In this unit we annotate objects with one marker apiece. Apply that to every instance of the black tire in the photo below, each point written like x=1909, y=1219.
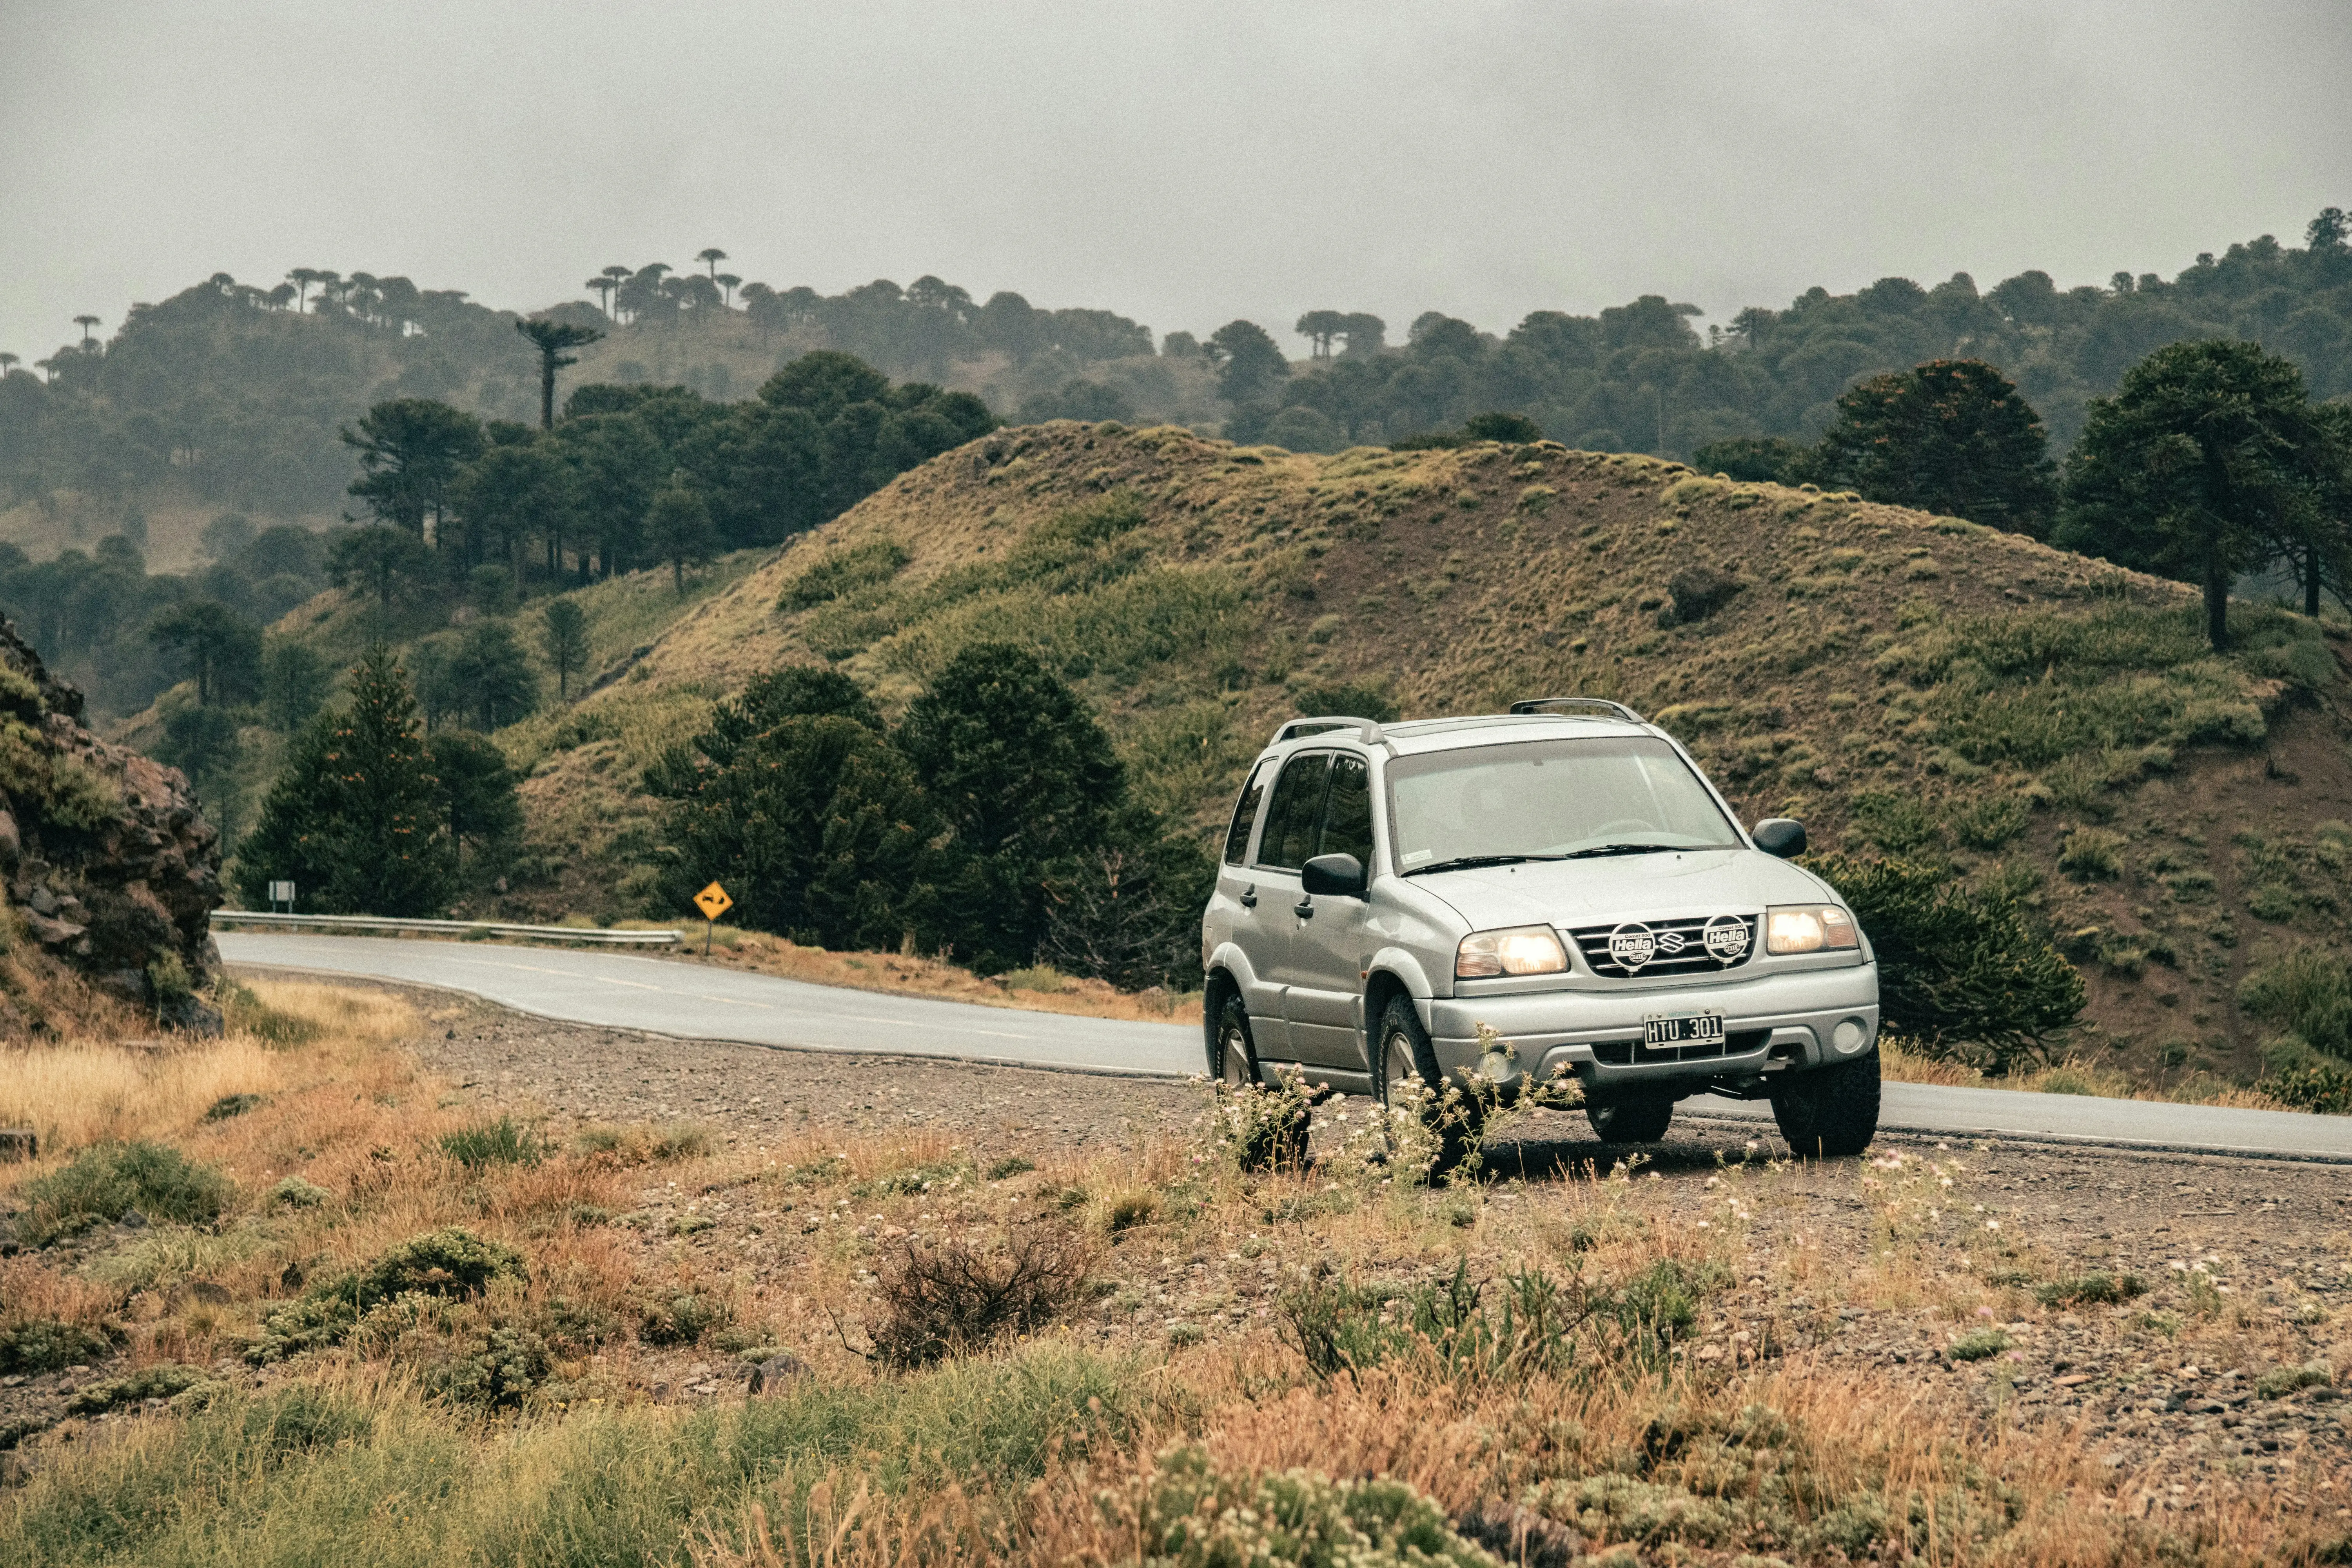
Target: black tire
x=1401, y=1053
x=1271, y=1146
x=1629, y=1117
x=1829, y=1113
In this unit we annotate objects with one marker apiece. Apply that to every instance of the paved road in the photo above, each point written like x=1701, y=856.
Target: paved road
x=692, y=1002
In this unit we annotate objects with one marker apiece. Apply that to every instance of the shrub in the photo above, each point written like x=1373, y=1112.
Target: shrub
x=451, y=1263
x=501, y=1142
x=1958, y=966
x=1978, y=1344
x=2091, y=854
x=2100, y=1289
x=1898, y=823
x=950, y=1298
x=1990, y=823
x=160, y=1381
x=294, y=1193
x=1348, y=699
x=44, y=1344
x=229, y=1105
x=2279, y=1382
x=2321, y=1087
x=243, y=1010
x=682, y=1319
x=106, y=1181
x=1011, y=1165
x=843, y=572
x=1190, y=1514
x=2307, y=992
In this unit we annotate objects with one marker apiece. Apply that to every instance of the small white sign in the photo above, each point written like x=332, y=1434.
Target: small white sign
x=281, y=893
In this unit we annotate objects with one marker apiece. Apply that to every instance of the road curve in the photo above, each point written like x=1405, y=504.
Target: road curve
x=691, y=1002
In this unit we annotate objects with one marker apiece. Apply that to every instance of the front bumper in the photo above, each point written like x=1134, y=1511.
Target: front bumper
x=1773, y=1023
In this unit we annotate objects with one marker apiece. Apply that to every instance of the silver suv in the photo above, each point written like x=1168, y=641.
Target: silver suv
x=1564, y=874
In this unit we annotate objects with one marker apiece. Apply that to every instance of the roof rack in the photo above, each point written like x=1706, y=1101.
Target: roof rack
x=1297, y=727
x=1550, y=705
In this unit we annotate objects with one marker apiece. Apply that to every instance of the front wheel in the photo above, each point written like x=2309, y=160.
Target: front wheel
x=1273, y=1138
x=1830, y=1112
x=1408, y=1074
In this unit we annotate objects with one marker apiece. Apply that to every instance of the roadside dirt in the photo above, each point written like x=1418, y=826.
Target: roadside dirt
x=2243, y=1268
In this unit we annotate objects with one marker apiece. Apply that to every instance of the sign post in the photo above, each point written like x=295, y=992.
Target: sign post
x=281, y=895
x=713, y=902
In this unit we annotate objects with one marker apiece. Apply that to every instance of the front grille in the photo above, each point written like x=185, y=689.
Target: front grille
x=1674, y=947
x=1625, y=1053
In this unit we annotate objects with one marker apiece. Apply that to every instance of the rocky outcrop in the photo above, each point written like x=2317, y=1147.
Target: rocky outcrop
x=110, y=872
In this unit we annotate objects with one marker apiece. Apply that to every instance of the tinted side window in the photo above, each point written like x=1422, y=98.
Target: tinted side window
x=1245, y=816
x=1348, y=811
x=1294, y=815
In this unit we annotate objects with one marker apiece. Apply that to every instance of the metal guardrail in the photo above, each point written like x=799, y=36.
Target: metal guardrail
x=451, y=928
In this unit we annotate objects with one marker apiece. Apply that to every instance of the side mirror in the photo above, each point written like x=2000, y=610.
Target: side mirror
x=1780, y=836
x=1333, y=876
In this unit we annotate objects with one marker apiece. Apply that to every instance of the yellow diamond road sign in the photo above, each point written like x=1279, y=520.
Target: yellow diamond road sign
x=713, y=902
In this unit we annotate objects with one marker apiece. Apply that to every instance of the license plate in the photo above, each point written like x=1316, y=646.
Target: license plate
x=1692, y=1029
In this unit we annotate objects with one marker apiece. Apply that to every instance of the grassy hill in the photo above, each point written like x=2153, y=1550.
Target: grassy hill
x=1906, y=684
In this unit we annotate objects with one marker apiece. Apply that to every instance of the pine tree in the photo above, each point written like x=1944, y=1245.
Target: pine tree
x=356, y=821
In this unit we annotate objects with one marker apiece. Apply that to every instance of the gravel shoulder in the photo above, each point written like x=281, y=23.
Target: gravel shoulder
x=2237, y=1272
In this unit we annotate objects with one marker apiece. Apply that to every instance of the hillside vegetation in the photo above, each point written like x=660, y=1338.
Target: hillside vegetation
x=1909, y=685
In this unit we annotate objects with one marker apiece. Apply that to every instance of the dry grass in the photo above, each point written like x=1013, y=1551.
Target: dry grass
x=913, y=974
x=999, y=1454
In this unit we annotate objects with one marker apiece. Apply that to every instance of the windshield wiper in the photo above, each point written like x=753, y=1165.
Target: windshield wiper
x=1599, y=851
x=1471, y=862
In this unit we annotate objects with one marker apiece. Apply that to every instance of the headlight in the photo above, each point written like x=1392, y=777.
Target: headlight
x=1521, y=950
x=1809, y=928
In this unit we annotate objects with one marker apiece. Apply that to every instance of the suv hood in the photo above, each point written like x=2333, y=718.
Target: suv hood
x=1626, y=887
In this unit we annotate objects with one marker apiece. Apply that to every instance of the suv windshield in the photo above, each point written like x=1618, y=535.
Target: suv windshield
x=1549, y=800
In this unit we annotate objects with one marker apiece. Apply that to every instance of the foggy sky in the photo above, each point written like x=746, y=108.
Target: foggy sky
x=1180, y=163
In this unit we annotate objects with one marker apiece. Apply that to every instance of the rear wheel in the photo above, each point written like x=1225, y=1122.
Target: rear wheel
x=1406, y=1061
x=1629, y=1118
x=1269, y=1139
x=1830, y=1112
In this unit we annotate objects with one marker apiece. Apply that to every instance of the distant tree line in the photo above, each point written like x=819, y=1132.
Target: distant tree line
x=992, y=822
x=631, y=476
x=1639, y=377
x=237, y=391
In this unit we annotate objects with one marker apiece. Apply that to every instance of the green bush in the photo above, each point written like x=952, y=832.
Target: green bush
x=842, y=573
x=2322, y=1087
x=106, y=1181
x=2309, y=993
x=1898, y=823
x=501, y=1142
x=682, y=1319
x=2101, y=1289
x=2091, y=854
x=1990, y=823
x=1978, y=1344
x=1961, y=970
x=229, y=1105
x=160, y=1381
x=44, y=1344
x=1190, y=1514
x=451, y=1263
x=2280, y=1381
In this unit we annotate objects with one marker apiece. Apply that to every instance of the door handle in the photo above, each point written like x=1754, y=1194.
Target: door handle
x=1304, y=908
x=1249, y=897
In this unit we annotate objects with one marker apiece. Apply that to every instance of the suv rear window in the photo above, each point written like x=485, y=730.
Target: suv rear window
x=1245, y=814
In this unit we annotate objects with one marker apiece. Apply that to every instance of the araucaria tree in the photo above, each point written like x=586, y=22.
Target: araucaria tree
x=1950, y=436
x=356, y=820
x=552, y=337
x=410, y=451
x=2208, y=462
x=564, y=637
